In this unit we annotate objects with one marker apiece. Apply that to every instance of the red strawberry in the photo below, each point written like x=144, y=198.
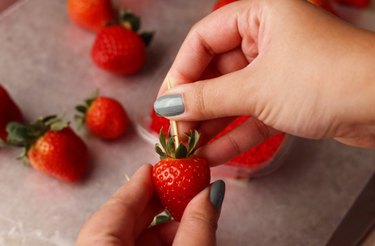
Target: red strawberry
x=51, y=147
x=119, y=48
x=221, y=3
x=158, y=123
x=9, y=111
x=104, y=117
x=355, y=3
x=90, y=14
x=179, y=175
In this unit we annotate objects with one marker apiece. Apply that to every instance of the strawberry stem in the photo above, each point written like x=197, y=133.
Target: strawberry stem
x=129, y=20
x=147, y=37
x=25, y=135
x=166, y=148
x=82, y=109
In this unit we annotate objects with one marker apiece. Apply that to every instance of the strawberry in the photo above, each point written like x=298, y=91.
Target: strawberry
x=90, y=14
x=9, y=111
x=221, y=3
x=119, y=48
x=179, y=175
x=355, y=3
x=51, y=147
x=158, y=123
x=104, y=117
x=324, y=4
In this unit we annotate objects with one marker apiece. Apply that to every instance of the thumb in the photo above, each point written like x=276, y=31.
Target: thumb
x=228, y=95
x=199, y=221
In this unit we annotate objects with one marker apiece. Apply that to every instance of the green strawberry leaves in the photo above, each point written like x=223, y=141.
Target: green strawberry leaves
x=161, y=218
x=82, y=109
x=166, y=148
x=133, y=22
x=25, y=135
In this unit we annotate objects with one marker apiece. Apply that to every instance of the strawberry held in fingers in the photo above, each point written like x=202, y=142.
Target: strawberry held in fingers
x=104, y=117
x=51, y=147
x=9, y=111
x=179, y=175
x=119, y=48
x=91, y=14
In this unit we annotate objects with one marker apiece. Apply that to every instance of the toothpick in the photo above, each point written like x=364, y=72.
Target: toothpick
x=174, y=123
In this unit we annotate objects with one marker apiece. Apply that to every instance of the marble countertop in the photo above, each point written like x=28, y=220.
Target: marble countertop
x=45, y=65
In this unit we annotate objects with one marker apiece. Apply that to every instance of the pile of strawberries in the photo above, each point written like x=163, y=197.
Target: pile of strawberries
x=50, y=144
x=119, y=48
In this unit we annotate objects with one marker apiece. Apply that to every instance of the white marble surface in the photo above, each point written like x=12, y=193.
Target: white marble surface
x=45, y=65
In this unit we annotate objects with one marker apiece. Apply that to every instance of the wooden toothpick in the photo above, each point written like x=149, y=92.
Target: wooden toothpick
x=173, y=123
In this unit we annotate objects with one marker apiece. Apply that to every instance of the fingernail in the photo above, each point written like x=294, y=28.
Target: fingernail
x=169, y=105
x=217, y=192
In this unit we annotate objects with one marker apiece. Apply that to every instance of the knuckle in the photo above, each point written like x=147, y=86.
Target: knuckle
x=235, y=147
x=263, y=130
x=116, y=203
x=196, y=36
x=201, y=218
x=199, y=99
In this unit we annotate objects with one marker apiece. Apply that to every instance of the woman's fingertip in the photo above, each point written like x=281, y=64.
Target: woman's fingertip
x=169, y=105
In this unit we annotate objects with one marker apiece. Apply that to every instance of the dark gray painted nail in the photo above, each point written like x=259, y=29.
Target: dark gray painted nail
x=169, y=105
x=217, y=192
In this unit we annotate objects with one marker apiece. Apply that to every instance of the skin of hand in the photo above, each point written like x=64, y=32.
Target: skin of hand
x=125, y=218
x=292, y=66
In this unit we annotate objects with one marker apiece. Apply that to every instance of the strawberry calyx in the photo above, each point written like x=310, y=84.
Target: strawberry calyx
x=166, y=148
x=129, y=20
x=165, y=216
x=147, y=37
x=82, y=109
x=25, y=135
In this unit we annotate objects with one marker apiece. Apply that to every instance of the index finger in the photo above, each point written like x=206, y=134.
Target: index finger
x=129, y=211
x=215, y=34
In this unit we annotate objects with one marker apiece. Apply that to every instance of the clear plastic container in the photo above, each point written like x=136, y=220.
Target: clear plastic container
x=258, y=161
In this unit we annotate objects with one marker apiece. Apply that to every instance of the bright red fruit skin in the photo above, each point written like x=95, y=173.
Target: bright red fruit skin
x=9, y=111
x=222, y=3
x=177, y=181
x=90, y=14
x=61, y=154
x=106, y=118
x=118, y=50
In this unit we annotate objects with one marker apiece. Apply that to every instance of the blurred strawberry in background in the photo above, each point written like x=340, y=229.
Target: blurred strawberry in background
x=104, y=117
x=120, y=48
x=91, y=14
x=9, y=111
x=51, y=147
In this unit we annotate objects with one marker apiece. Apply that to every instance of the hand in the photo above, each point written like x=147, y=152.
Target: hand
x=294, y=67
x=125, y=217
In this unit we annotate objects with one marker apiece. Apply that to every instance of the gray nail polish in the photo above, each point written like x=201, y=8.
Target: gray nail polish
x=169, y=105
x=217, y=192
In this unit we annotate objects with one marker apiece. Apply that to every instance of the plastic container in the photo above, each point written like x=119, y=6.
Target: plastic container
x=258, y=161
